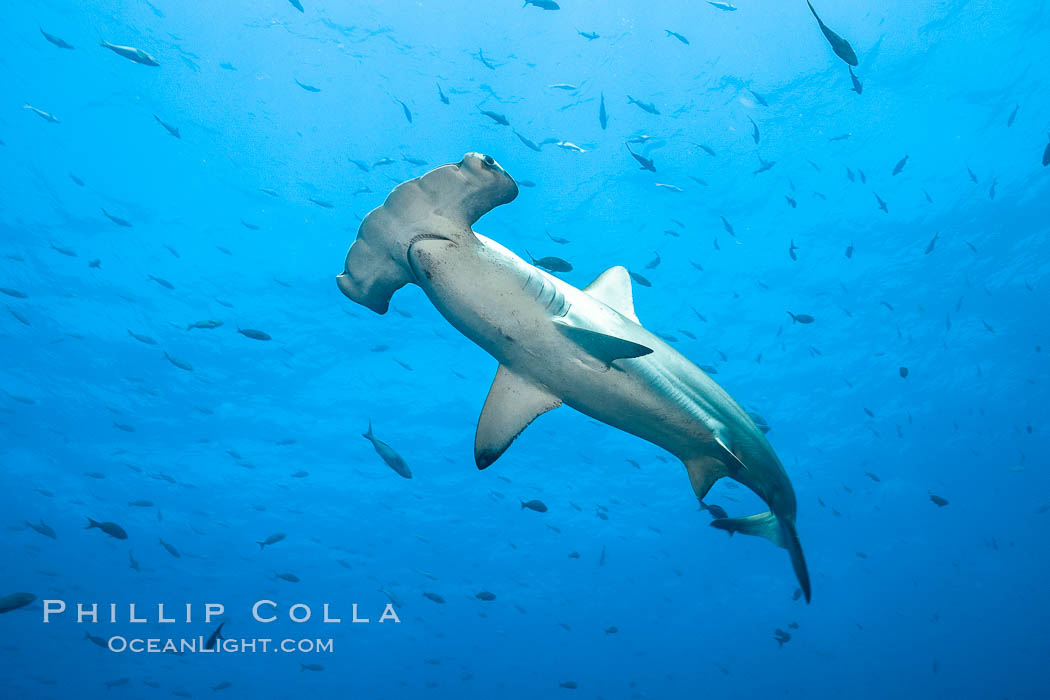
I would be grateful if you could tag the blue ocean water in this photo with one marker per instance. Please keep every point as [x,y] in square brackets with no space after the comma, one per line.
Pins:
[116,235]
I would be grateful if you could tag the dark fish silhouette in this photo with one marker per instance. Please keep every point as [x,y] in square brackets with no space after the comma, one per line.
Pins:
[858,87]
[254,334]
[111,529]
[297,5]
[900,165]
[496,117]
[603,116]
[534,504]
[388,454]
[839,45]
[543,4]
[408,113]
[442,95]
[117,220]
[173,130]
[551,263]
[646,163]
[678,36]
[215,636]
[754,132]
[645,106]
[1009,120]
[272,539]
[640,280]
[800,318]
[1046,154]
[307,87]
[60,43]
[941,502]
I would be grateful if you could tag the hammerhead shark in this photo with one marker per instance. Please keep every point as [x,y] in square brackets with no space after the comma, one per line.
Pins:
[557,344]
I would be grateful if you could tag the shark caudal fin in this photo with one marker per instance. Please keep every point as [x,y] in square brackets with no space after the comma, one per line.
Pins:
[780,532]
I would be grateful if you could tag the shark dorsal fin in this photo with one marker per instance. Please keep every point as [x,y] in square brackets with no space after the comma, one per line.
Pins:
[613,288]
[512,403]
[601,346]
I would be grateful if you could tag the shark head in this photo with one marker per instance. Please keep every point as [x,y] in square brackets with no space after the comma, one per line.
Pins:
[443,205]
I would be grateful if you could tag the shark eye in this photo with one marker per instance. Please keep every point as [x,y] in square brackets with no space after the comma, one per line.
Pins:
[489,160]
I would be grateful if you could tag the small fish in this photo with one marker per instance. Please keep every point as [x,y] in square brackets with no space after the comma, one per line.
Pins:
[723,6]
[652,264]
[484,61]
[543,4]
[434,597]
[133,563]
[301,474]
[534,504]
[551,263]
[181,364]
[839,45]
[646,163]
[791,250]
[388,454]
[727,226]
[162,282]
[569,146]
[44,529]
[900,165]
[1009,120]
[76,180]
[563,86]
[754,131]
[46,116]
[556,239]
[496,117]
[840,137]
[111,529]
[858,87]
[141,503]
[678,36]
[644,106]
[117,220]
[62,44]
[603,115]
[791,202]
[406,110]
[441,95]
[717,512]
[174,131]
[272,539]
[210,644]
[670,188]
[849,250]
[1046,154]
[800,318]
[16,293]
[205,325]
[307,87]
[311,667]
[941,502]
[764,165]
[254,334]
[589,36]
[290,578]
[131,53]
[758,98]
[528,143]
[639,279]
[882,204]
[903,371]
[323,203]
[571,685]
[171,550]
[485,595]
[142,338]
[973,176]
[781,636]
[932,243]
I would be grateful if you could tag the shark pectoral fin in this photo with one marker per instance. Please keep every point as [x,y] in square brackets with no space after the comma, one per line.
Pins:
[703,473]
[605,348]
[512,403]
[613,288]
[780,532]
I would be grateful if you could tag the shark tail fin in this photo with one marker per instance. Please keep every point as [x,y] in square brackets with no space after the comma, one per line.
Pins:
[780,532]
[369,435]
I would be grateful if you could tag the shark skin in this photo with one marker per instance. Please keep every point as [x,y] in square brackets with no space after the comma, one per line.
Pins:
[557,344]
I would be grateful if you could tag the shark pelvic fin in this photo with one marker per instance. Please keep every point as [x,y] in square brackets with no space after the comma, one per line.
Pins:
[613,288]
[512,403]
[605,348]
